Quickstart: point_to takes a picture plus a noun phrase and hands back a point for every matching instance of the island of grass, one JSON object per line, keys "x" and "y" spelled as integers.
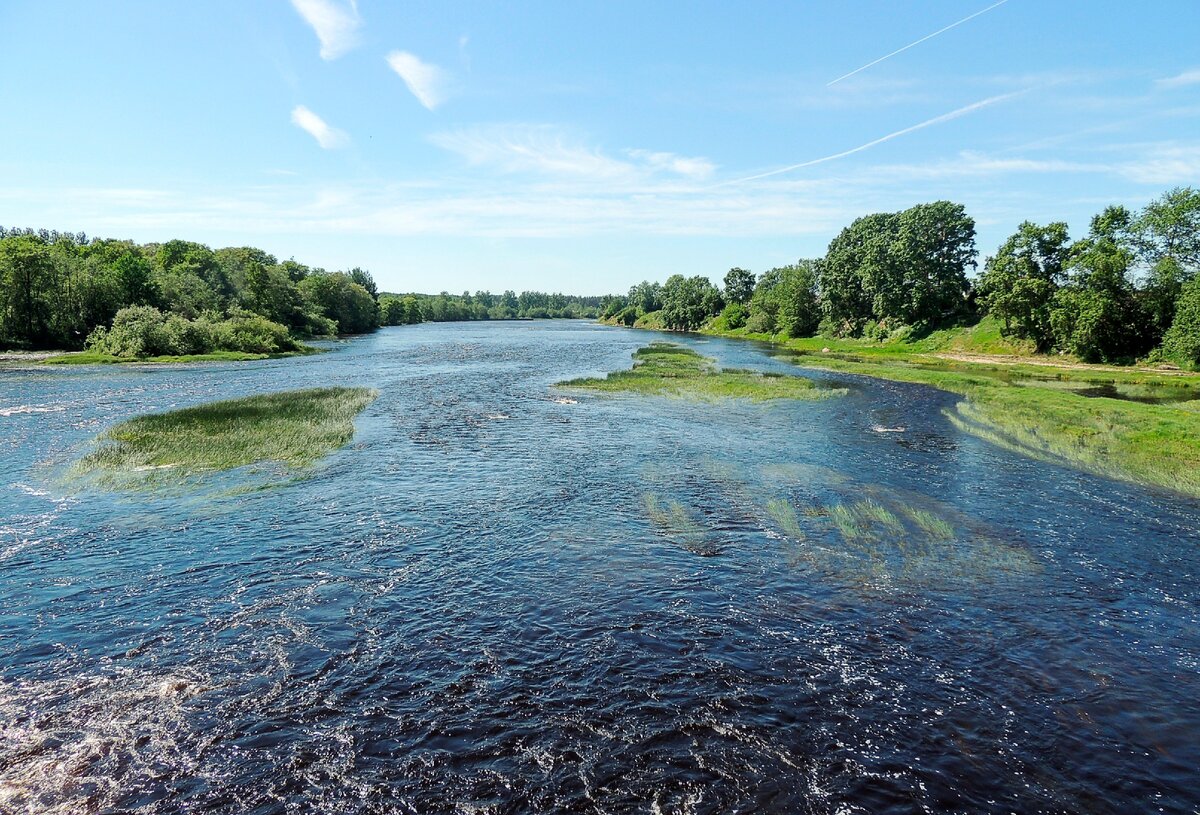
{"x": 289, "y": 430}
{"x": 93, "y": 358}
{"x": 666, "y": 369}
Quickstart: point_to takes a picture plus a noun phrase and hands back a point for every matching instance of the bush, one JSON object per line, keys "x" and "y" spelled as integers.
{"x": 253, "y": 334}
{"x": 733, "y": 316}
{"x": 144, "y": 331}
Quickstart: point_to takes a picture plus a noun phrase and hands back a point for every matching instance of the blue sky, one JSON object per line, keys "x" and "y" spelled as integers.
{"x": 582, "y": 146}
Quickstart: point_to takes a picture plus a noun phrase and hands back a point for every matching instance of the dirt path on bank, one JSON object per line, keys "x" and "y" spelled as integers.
{"x": 1005, "y": 359}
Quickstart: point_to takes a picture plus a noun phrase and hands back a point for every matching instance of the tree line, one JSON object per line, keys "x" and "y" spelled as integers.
{"x": 1126, "y": 290}
{"x": 64, "y": 290}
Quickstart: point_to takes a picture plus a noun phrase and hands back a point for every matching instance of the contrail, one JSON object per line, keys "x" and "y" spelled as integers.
{"x": 945, "y": 117}
{"x": 918, "y": 42}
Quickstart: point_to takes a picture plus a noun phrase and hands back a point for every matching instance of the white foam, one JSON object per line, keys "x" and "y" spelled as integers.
{"x": 20, "y": 409}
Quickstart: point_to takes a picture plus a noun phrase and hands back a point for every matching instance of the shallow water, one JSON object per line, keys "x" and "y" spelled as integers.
{"x": 497, "y": 599}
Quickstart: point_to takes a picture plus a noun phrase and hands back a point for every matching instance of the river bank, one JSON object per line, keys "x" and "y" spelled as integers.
{"x": 1137, "y": 424}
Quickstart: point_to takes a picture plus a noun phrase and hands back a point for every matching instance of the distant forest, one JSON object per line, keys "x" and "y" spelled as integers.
{"x": 64, "y": 290}
{"x": 1127, "y": 290}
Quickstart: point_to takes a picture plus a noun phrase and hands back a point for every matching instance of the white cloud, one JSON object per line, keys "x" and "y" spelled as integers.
{"x": 1165, "y": 164}
{"x": 529, "y": 148}
{"x": 426, "y": 81}
{"x": 328, "y": 137}
{"x": 688, "y": 167}
{"x": 336, "y": 24}
{"x": 547, "y": 150}
{"x": 1184, "y": 79}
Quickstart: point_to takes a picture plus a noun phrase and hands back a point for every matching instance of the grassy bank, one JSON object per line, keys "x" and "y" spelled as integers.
{"x": 664, "y": 369}
{"x": 94, "y": 358}
{"x": 292, "y": 429}
{"x": 1035, "y": 405}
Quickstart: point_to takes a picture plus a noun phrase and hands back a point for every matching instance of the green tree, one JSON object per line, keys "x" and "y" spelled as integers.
{"x": 1019, "y": 281}
{"x": 1169, "y": 228}
{"x": 1182, "y": 341}
{"x": 688, "y": 301}
{"x": 342, "y": 300}
{"x": 26, "y": 273}
{"x": 1096, "y": 316}
{"x": 845, "y": 301}
{"x": 739, "y": 285}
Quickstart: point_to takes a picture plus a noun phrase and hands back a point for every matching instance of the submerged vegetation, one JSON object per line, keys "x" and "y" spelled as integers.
{"x": 672, "y": 370}
{"x": 1155, "y": 444}
{"x": 862, "y": 534}
{"x": 290, "y": 430}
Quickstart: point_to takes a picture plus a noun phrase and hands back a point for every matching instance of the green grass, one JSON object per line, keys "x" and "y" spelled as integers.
{"x": 1157, "y": 445}
{"x": 666, "y": 369}
{"x": 292, "y": 429}
{"x": 94, "y": 358}
{"x": 1028, "y": 403}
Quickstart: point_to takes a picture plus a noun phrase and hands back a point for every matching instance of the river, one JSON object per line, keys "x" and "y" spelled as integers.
{"x": 477, "y": 606}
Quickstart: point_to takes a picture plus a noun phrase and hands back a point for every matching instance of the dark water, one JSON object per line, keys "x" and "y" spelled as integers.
{"x": 493, "y": 601}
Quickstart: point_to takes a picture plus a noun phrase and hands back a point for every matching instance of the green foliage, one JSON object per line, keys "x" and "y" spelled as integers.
{"x": 1020, "y": 280}
{"x": 1182, "y": 342}
{"x": 739, "y": 285}
{"x": 902, "y": 268}
{"x": 57, "y": 288}
{"x": 143, "y": 331}
{"x": 1096, "y": 316}
{"x": 786, "y": 299}
{"x": 294, "y": 428}
{"x": 731, "y": 318}
{"x": 342, "y": 300}
{"x": 1169, "y": 228}
{"x": 689, "y": 301}
{"x": 646, "y": 296}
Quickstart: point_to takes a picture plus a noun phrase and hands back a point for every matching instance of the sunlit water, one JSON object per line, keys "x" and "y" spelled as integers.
{"x": 497, "y": 599}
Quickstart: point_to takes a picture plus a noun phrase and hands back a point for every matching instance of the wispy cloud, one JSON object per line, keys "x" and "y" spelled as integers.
{"x": 915, "y": 43}
{"x": 686, "y": 166}
{"x": 1165, "y": 164}
{"x": 335, "y": 22}
{"x": 328, "y": 137}
{"x": 945, "y": 117}
{"x": 547, "y": 150}
{"x": 1184, "y": 79}
{"x": 427, "y": 81}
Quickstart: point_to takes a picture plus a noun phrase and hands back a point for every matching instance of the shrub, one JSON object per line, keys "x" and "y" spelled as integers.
{"x": 253, "y": 334}
{"x": 144, "y": 331}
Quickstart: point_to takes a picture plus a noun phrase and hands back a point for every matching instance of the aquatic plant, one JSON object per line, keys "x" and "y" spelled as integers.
{"x": 871, "y": 512}
{"x": 666, "y": 369}
{"x": 784, "y": 515}
{"x": 292, "y": 429}
{"x": 679, "y": 525}
{"x": 932, "y": 525}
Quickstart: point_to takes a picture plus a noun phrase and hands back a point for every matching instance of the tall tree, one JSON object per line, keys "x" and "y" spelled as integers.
{"x": 739, "y": 285}
{"x": 1019, "y": 281}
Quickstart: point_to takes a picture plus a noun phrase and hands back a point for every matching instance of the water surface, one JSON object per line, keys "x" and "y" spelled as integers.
{"x": 472, "y": 608}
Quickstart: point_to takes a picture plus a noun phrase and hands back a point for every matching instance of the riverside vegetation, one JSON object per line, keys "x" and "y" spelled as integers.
{"x": 182, "y": 301}
{"x": 291, "y": 430}
{"x": 666, "y": 369}
{"x": 891, "y": 299}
